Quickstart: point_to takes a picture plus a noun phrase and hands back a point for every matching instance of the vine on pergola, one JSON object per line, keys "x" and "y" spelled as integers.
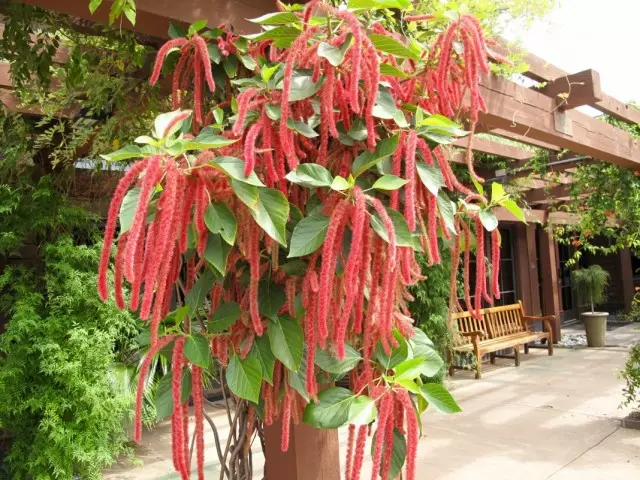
{"x": 272, "y": 227}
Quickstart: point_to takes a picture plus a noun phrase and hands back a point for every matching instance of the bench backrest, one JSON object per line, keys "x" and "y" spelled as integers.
{"x": 495, "y": 322}
{"x": 505, "y": 320}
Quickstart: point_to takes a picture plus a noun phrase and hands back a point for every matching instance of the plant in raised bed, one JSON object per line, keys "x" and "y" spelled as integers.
{"x": 271, "y": 227}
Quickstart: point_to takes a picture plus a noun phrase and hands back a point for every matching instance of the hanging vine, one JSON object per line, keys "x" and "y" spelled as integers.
{"x": 272, "y": 225}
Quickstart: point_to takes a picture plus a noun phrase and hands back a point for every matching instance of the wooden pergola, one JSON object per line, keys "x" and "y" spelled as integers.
{"x": 543, "y": 118}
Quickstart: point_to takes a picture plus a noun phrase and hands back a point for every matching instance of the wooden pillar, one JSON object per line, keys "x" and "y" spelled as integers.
{"x": 527, "y": 268}
{"x": 313, "y": 454}
{"x": 550, "y": 282}
{"x": 626, "y": 274}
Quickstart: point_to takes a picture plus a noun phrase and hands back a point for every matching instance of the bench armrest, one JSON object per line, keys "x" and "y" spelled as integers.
{"x": 475, "y": 333}
{"x": 547, "y": 320}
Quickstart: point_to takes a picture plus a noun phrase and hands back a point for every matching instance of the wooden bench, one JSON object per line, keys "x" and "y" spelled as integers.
{"x": 498, "y": 328}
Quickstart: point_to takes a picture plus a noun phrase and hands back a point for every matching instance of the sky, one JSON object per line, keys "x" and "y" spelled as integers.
{"x": 600, "y": 34}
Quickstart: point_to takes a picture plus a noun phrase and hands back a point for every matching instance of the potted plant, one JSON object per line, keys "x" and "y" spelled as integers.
{"x": 590, "y": 285}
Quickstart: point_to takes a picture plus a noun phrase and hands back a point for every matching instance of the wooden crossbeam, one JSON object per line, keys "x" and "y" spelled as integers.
{"x": 520, "y": 138}
{"x": 492, "y": 147}
{"x": 556, "y": 167}
{"x": 524, "y": 111}
{"x": 542, "y": 195}
{"x": 542, "y": 71}
{"x": 571, "y": 91}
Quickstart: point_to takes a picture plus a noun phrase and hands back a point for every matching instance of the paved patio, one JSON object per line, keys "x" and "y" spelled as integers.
{"x": 551, "y": 418}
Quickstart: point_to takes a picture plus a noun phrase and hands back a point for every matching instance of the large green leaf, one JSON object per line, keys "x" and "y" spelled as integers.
{"x": 298, "y": 380}
{"x": 386, "y": 69}
{"x": 376, "y": 4}
{"x": 431, "y": 176}
{"x": 234, "y": 167}
{"x": 398, "y": 453}
{"x": 402, "y": 232}
{"x": 272, "y": 213}
{"x": 398, "y": 354}
{"x": 308, "y": 235}
{"x": 488, "y": 219}
{"x": 198, "y": 293}
{"x": 224, "y": 317}
{"x": 335, "y": 55}
{"x": 244, "y": 377}
{"x": 389, "y": 45}
{"x": 196, "y": 349}
{"x": 164, "y": 393}
{"x": 439, "y": 397}
{"x": 432, "y": 362}
{"x": 409, "y": 369}
{"x": 287, "y": 340}
{"x": 513, "y": 207}
{"x": 271, "y": 298}
{"x": 220, "y": 219}
{"x": 303, "y": 86}
{"x": 128, "y": 209}
{"x": 362, "y": 411}
{"x": 217, "y": 252}
{"x": 207, "y": 139}
{"x": 447, "y": 211}
{"x": 332, "y": 364}
{"x": 389, "y": 182}
{"x": 164, "y": 120}
{"x": 385, "y": 106}
{"x": 367, "y": 159}
{"x": 277, "y": 18}
{"x": 331, "y": 410}
{"x": 420, "y": 343}
{"x": 497, "y": 192}
{"x": 283, "y": 36}
{"x": 130, "y": 151}
{"x": 263, "y": 352}
{"x": 310, "y": 175}
{"x": 248, "y": 194}
{"x": 302, "y": 128}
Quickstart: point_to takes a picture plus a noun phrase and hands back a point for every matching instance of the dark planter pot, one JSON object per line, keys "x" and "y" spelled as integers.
{"x": 632, "y": 421}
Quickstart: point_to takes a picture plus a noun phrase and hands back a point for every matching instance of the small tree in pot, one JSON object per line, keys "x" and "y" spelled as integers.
{"x": 590, "y": 285}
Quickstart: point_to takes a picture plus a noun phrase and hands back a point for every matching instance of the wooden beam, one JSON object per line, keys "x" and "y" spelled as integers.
{"x": 527, "y": 112}
{"x": 155, "y": 16}
{"x": 530, "y": 215}
{"x": 523, "y": 139}
{"x": 492, "y": 147}
{"x": 553, "y": 167}
{"x": 542, "y": 195}
{"x": 576, "y": 90}
{"x": 549, "y": 268}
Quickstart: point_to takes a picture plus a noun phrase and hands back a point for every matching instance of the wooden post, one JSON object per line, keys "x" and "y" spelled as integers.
{"x": 313, "y": 454}
{"x": 626, "y": 274}
{"x": 549, "y": 274}
{"x": 527, "y": 268}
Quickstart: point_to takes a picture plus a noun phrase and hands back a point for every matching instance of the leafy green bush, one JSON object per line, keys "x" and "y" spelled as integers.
{"x": 61, "y": 400}
{"x": 590, "y": 285}
{"x": 430, "y": 309}
{"x": 631, "y": 374}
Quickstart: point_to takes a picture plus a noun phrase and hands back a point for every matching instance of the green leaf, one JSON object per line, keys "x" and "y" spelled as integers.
{"x": 376, "y": 4}
{"x": 196, "y": 349}
{"x": 400, "y": 119}
{"x": 358, "y": 130}
{"x": 294, "y": 268}
{"x": 224, "y": 317}
{"x": 273, "y": 111}
{"x": 513, "y": 207}
{"x": 283, "y": 36}
{"x": 478, "y": 185}
{"x": 277, "y": 18}
{"x": 332, "y": 364}
{"x": 431, "y": 177}
{"x": 196, "y": 26}
{"x": 217, "y": 252}
{"x": 398, "y": 453}
{"x": 447, "y": 210}
{"x": 302, "y": 128}
{"x": 197, "y": 295}
{"x": 128, "y": 209}
{"x": 93, "y": 5}
{"x": 389, "y": 182}
{"x": 287, "y": 340}
{"x": 331, "y": 410}
{"x": 271, "y": 213}
{"x": 244, "y": 377}
{"x": 263, "y": 352}
{"x": 440, "y": 398}
{"x": 488, "y": 219}
{"x": 408, "y": 385}
{"x": 249, "y": 63}
{"x": 385, "y": 106}
{"x": 230, "y": 65}
{"x": 144, "y": 140}
{"x": 248, "y": 194}
{"x": 234, "y": 167}
{"x": 340, "y": 184}
{"x": 366, "y": 160}
{"x": 308, "y": 235}
{"x": 271, "y": 298}
{"x": 497, "y": 192}
{"x": 164, "y": 393}
{"x": 164, "y": 120}
{"x": 215, "y": 55}
{"x": 220, "y": 219}
{"x": 298, "y": 380}
{"x": 409, "y": 369}
{"x": 403, "y": 234}
{"x": 335, "y": 55}
{"x": 362, "y": 411}
{"x": 420, "y": 343}
{"x": 432, "y": 361}
{"x": 176, "y": 31}
{"x": 130, "y": 151}
{"x": 398, "y": 354}
{"x": 310, "y": 175}
{"x": 130, "y": 11}
{"x": 303, "y": 86}
{"x": 266, "y": 73}
{"x": 207, "y": 140}
{"x": 386, "y": 69}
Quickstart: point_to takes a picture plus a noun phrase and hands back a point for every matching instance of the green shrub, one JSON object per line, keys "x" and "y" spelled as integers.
{"x": 430, "y": 309}
{"x": 590, "y": 285}
{"x": 61, "y": 399}
{"x": 631, "y": 374}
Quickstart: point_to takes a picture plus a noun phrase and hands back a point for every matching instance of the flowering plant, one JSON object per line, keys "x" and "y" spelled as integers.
{"x": 273, "y": 225}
